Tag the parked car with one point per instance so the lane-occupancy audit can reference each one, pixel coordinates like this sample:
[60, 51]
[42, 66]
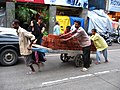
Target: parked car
[4, 30]
[9, 46]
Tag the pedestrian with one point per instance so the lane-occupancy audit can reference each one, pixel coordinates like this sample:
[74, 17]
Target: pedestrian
[56, 29]
[73, 26]
[25, 42]
[41, 29]
[37, 29]
[67, 29]
[33, 28]
[84, 41]
[100, 45]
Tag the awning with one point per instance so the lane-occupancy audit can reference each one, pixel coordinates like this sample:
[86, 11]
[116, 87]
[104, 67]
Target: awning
[33, 1]
[80, 3]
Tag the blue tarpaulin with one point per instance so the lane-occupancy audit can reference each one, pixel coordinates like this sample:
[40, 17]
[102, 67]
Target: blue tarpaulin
[72, 19]
[99, 20]
[40, 50]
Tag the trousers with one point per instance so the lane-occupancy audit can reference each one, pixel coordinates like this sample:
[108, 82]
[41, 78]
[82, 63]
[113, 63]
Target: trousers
[86, 56]
[98, 55]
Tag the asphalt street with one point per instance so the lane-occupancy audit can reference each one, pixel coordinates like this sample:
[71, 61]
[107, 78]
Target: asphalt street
[56, 75]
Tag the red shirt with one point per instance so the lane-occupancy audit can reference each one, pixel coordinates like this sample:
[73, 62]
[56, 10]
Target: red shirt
[66, 31]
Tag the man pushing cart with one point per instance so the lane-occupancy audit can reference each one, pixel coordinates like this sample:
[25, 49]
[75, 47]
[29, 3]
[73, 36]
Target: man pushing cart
[74, 42]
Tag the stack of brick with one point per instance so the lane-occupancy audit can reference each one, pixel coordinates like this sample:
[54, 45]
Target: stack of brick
[56, 43]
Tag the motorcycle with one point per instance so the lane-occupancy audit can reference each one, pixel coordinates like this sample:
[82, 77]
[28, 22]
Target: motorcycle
[116, 36]
[107, 38]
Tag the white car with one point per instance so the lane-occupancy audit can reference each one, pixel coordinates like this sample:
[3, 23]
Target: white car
[4, 30]
[9, 46]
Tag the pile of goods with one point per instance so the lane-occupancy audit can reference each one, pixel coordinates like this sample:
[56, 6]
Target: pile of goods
[56, 43]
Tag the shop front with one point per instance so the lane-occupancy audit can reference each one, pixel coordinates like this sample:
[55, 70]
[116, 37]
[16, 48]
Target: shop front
[68, 11]
[56, 10]
[24, 10]
[115, 16]
[64, 14]
[114, 10]
[7, 9]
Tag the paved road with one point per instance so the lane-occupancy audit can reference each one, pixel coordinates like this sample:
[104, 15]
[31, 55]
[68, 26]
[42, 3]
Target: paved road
[56, 75]
[114, 46]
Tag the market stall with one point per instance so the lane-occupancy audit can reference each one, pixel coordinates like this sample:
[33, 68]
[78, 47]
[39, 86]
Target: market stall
[65, 21]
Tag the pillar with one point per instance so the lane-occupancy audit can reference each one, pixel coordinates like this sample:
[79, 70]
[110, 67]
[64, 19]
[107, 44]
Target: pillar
[10, 13]
[84, 14]
[52, 18]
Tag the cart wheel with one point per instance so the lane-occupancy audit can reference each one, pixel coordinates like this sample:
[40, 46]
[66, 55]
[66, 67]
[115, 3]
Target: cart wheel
[79, 60]
[64, 57]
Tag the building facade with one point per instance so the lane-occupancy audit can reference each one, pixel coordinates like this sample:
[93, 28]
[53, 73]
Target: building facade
[54, 7]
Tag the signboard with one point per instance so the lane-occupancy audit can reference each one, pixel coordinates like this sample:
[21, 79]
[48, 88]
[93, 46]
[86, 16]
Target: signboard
[114, 5]
[73, 3]
[97, 4]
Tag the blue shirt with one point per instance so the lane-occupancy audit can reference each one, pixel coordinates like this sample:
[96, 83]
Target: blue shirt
[56, 30]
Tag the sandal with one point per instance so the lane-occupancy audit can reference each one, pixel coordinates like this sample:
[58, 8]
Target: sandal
[29, 73]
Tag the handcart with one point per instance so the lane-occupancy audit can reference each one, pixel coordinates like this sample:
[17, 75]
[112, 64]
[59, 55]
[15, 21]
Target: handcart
[75, 55]
[65, 55]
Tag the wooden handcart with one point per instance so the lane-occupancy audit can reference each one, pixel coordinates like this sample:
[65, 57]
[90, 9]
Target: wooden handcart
[65, 55]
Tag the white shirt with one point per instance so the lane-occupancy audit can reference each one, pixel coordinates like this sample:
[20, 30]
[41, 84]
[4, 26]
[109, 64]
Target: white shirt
[73, 27]
[56, 30]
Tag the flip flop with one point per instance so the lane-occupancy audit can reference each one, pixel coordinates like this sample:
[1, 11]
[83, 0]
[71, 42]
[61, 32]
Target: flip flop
[29, 73]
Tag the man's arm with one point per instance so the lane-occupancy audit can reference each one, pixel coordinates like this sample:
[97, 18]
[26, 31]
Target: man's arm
[30, 45]
[71, 32]
[73, 36]
[31, 37]
[67, 39]
[43, 29]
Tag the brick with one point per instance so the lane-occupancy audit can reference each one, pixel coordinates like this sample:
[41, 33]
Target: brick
[53, 36]
[56, 43]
